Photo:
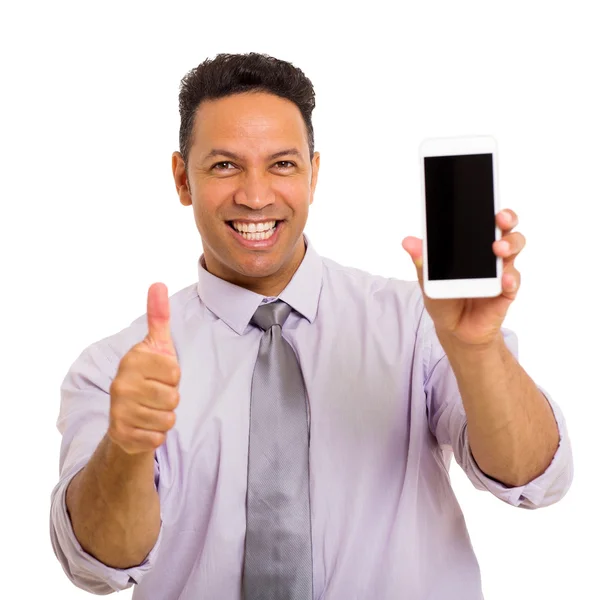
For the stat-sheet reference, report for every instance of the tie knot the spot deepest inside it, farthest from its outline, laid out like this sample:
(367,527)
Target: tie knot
(274,313)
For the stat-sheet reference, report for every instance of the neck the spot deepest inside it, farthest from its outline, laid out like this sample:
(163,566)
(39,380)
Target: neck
(271,285)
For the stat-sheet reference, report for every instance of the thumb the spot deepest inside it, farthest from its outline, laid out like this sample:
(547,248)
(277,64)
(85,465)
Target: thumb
(159,319)
(414,247)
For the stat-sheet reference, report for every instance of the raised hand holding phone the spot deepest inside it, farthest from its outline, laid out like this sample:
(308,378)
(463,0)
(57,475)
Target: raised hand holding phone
(144,392)
(466,270)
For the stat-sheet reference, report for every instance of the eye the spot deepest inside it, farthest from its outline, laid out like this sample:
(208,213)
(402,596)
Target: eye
(285,164)
(226,162)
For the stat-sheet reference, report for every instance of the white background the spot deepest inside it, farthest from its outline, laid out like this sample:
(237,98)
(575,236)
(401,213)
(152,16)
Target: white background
(90,217)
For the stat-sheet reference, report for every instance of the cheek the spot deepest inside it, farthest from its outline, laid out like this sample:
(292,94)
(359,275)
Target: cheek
(296,193)
(205,216)
(208,198)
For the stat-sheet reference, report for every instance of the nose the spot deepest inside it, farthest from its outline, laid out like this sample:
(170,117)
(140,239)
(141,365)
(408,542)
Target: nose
(255,191)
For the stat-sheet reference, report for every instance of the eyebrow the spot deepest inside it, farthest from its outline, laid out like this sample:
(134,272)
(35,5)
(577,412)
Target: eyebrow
(234,156)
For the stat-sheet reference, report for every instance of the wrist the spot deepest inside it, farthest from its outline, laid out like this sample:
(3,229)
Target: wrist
(118,470)
(472,353)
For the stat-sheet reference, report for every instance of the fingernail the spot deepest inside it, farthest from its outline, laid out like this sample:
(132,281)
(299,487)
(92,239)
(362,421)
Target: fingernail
(503,246)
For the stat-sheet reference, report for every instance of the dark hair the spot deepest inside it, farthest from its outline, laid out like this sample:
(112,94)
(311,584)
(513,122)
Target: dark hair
(229,74)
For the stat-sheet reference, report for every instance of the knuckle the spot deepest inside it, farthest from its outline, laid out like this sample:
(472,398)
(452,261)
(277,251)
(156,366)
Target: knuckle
(174,399)
(141,439)
(167,403)
(167,421)
(116,387)
(136,435)
(177,397)
(129,361)
(123,415)
(156,438)
(121,389)
(175,373)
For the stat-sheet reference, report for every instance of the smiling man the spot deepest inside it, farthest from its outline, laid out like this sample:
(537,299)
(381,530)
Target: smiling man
(250,171)
(282,428)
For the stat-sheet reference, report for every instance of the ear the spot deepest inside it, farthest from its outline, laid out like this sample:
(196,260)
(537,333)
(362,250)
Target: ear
(181,179)
(316,163)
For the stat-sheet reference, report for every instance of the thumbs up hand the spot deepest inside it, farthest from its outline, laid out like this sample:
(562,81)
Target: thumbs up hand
(144,392)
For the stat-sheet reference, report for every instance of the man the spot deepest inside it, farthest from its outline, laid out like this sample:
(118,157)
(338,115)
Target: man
(282,428)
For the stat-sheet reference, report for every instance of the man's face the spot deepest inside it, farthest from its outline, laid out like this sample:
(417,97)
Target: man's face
(248,167)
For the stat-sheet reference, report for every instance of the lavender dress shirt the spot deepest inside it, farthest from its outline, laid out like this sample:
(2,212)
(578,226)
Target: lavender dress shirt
(385,416)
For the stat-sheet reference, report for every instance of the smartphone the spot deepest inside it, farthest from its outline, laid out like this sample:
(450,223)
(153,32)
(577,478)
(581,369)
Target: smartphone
(459,179)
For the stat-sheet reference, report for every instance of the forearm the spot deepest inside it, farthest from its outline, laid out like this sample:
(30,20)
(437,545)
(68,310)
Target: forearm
(114,506)
(512,431)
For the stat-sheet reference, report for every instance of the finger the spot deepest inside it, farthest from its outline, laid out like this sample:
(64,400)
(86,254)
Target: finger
(507,219)
(159,318)
(157,395)
(510,245)
(150,419)
(151,394)
(151,366)
(414,247)
(511,282)
(135,441)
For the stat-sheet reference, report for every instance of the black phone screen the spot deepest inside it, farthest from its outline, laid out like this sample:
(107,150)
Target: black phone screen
(459,210)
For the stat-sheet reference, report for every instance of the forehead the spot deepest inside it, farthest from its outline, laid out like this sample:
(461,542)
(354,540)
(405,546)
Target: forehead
(253,118)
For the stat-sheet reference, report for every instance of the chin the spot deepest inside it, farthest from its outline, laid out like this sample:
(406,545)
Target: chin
(257,267)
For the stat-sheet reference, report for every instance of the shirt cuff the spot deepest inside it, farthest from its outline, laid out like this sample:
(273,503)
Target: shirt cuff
(85,571)
(546,489)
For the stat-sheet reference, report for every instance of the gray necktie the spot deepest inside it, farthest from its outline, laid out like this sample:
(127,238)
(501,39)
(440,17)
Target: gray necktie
(278,553)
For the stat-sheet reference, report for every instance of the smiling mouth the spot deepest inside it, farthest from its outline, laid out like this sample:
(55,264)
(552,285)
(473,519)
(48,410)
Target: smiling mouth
(252,234)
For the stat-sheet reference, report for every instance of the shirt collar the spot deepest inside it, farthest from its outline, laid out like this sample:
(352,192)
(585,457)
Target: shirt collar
(235,305)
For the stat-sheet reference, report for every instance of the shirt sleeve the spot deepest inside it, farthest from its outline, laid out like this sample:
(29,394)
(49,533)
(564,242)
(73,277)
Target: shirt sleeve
(448,422)
(83,422)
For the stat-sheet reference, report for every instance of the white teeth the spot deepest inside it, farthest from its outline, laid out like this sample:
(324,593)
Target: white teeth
(254,227)
(263,235)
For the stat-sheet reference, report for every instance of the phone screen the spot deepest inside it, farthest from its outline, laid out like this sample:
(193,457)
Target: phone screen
(459,210)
